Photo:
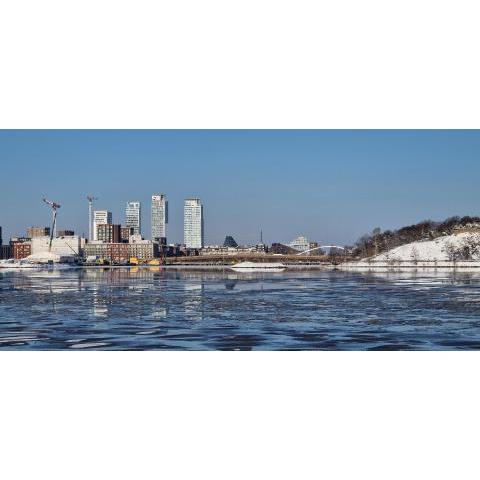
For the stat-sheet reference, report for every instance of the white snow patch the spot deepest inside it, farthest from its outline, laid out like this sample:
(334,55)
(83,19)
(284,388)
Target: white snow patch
(430,250)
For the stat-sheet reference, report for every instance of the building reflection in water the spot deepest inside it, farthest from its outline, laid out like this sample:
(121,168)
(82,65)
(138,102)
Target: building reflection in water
(135,292)
(131,293)
(230,284)
(193,287)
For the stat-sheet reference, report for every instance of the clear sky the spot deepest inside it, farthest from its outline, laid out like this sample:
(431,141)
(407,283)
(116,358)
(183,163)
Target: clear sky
(330,185)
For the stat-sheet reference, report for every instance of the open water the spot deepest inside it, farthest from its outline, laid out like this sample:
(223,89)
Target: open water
(163,309)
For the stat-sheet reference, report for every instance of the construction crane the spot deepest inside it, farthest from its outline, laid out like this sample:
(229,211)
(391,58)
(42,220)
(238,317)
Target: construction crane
(53,232)
(90,199)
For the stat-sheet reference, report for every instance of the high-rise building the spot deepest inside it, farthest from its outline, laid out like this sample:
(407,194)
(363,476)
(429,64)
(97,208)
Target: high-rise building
(100,217)
(193,223)
(159,218)
(33,232)
(1,238)
(133,217)
(108,233)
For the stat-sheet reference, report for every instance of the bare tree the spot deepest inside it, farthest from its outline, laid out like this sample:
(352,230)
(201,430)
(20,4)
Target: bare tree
(363,243)
(470,248)
(376,232)
(452,252)
(414,255)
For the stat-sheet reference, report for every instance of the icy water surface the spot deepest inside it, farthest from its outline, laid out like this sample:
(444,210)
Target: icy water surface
(143,309)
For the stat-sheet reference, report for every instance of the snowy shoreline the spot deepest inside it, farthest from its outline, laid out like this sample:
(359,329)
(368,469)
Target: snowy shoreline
(410,265)
(451,252)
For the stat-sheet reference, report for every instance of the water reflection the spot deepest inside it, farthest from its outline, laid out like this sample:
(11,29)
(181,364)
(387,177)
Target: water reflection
(155,308)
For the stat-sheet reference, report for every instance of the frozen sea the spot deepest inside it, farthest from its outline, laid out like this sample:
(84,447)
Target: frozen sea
(164,309)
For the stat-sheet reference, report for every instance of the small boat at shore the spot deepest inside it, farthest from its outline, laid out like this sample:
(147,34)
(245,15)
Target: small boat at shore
(251,267)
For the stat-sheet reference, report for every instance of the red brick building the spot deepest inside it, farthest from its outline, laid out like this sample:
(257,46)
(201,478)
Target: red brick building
(20,250)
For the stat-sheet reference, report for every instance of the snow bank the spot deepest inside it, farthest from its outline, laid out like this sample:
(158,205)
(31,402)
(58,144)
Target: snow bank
(46,257)
(430,251)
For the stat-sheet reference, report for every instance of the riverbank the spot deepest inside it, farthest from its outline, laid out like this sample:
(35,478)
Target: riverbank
(200,266)
(399,265)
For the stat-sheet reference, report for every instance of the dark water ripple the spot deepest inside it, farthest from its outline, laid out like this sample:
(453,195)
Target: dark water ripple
(153,309)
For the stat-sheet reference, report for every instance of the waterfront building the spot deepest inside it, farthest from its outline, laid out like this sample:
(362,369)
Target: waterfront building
(100,217)
(114,252)
(133,217)
(222,250)
(33,232)
(109,233)
(20,248)
(159,218)
(144,251)
(301,244)
(193,223)
(63,246)
(122,252)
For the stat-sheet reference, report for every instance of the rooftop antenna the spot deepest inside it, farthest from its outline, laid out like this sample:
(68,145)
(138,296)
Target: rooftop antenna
(53,232)
(90,199)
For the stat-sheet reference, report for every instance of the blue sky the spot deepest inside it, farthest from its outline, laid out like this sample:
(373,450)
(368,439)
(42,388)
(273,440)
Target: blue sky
(331,185)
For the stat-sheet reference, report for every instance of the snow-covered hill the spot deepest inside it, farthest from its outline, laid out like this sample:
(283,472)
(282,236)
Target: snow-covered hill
(439,249)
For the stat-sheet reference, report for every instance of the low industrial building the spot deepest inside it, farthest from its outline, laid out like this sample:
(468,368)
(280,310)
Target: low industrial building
(62,246)
(144,251)
(49,257)
(122,252)
(222,250)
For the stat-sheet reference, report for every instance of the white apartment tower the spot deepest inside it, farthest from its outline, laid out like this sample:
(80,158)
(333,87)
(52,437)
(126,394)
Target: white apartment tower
(193,223)
(100,217)
(133,217)
(159,218)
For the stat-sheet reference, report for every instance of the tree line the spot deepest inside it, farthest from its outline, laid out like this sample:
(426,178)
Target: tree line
(378,242)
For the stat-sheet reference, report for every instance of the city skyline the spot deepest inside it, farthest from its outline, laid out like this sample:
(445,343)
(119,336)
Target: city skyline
(331,186)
